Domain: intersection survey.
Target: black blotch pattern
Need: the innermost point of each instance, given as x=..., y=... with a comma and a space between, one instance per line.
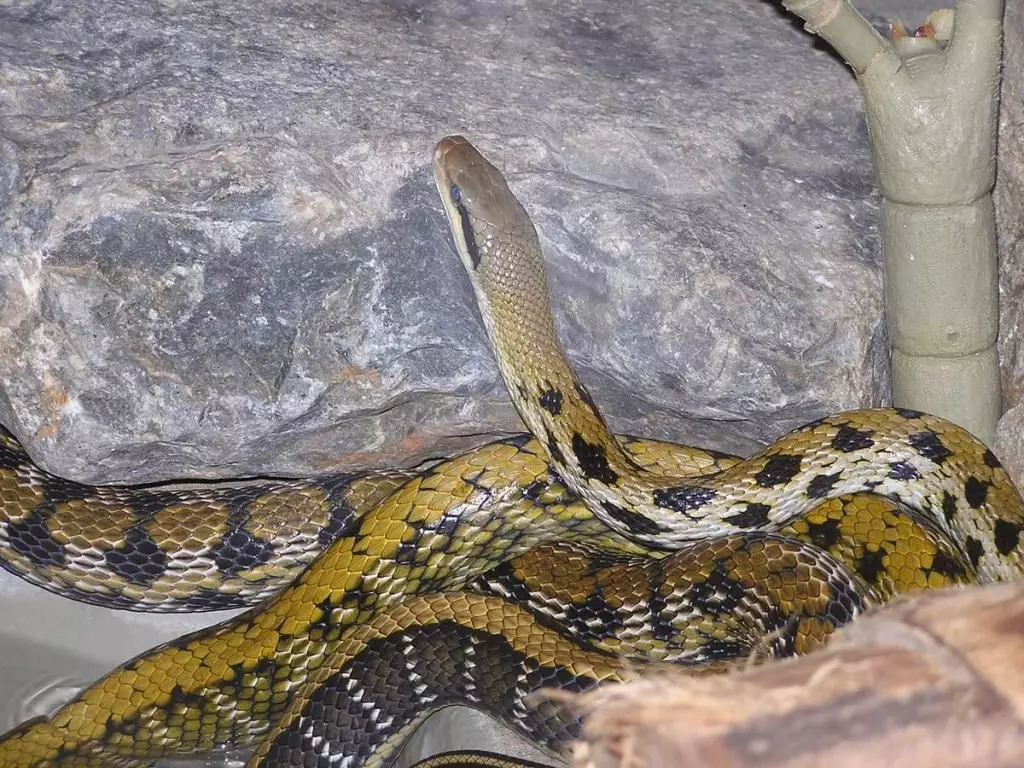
x=821, y=485
x=824, y=534
x=593, y=619
x=849, y=439
x=240, y=550
x=343, y=520
x=593, y=461
x=870, y=565
x=974, y=550
x=113, y=725
x=468, y=235
x=600, y=559
x=555, y=451
x=323, y=624
x=362, y=597
x=945, y=565
x=551, y=401
x=909, y=413
x=138, y=559
x=449, y=521
x=903, y=470
x=846, y=601
x=991, y=460
x=1007, y=535
x=778, y=470
x=718, y=593
x=535, y=489
x=188, y=700
x=779, y=628
x=661, y=623
x=929, y=445
x=684, y=498
x=948, y=506
x=975, y=491
x=501, y=580
x=634, y=521
x=754, y=516
x=30, y=538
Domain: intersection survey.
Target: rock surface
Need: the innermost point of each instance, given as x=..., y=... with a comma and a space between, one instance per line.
x=223, y=253
x=1009, y=197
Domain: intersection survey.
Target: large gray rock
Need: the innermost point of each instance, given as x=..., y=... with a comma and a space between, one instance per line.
x=223, y=254
x=1009, y=200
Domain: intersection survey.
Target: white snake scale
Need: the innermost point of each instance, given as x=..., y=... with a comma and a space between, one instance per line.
x=577, y=549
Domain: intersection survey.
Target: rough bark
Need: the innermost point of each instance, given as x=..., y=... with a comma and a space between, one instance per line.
x=935, y=680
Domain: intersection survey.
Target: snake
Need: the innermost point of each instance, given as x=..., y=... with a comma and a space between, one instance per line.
x=564, y=551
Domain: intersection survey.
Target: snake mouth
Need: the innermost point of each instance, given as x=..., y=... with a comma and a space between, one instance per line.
x=460, y=224
x=452, y=153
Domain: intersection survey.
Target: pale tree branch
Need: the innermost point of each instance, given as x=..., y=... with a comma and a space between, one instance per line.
x=931, y=99
x=842, y=27
x=976, y=47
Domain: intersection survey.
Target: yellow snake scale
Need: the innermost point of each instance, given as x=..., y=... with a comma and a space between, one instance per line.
x=539, y=560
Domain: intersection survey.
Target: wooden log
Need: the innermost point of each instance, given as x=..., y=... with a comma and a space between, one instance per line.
x=936, y=679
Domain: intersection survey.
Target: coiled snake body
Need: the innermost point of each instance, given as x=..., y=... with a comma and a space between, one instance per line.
x=526, y=562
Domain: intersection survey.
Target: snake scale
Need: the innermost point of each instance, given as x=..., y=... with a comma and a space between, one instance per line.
x=540, y=560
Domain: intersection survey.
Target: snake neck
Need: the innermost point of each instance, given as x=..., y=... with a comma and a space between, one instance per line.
x=548, y=395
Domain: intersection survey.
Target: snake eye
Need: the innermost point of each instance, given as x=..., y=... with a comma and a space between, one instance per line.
x=456, y=194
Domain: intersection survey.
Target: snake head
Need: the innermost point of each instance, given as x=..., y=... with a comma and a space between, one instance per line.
x=482, y=211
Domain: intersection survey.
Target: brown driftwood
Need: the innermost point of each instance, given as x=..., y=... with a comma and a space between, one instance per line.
x=935, y=680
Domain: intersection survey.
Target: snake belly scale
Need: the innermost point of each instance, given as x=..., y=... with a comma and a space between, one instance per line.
x=578, y=548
